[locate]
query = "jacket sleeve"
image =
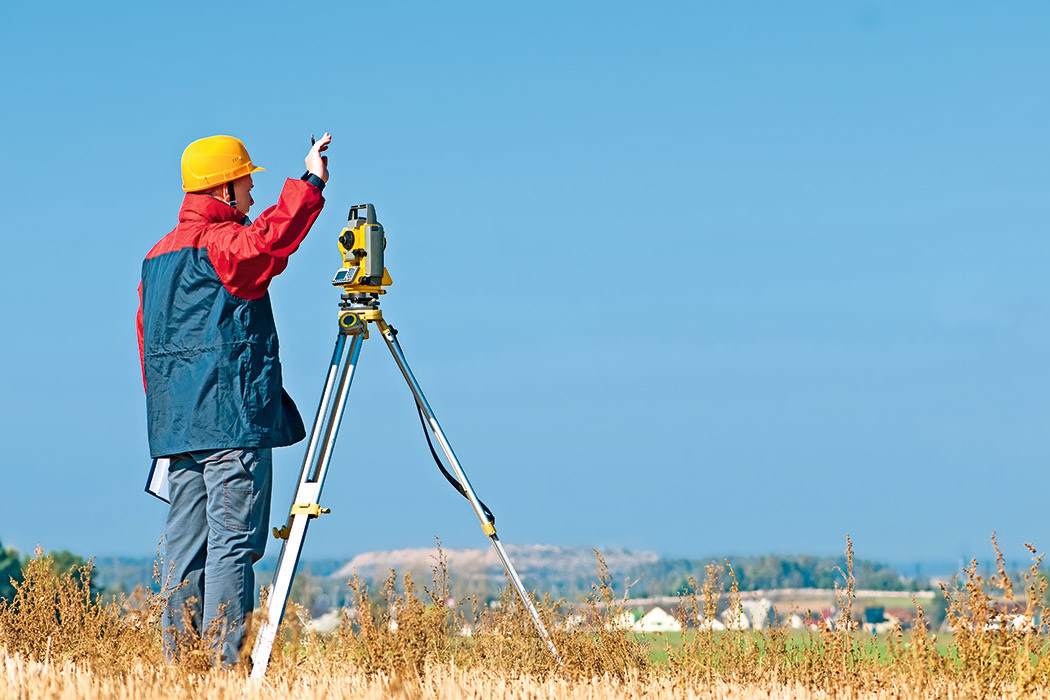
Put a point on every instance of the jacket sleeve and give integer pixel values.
(142, 346)
(246, 258)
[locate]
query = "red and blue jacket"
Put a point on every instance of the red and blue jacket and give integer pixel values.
(207, 337)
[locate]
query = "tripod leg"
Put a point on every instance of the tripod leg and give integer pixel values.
(389, 335)
(311, 479)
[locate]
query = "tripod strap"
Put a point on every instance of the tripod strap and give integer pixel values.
(444, 472)
(433, 453)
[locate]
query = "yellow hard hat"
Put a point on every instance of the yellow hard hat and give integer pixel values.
(214, 160)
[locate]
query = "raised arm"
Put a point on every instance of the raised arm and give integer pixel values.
(247, 258)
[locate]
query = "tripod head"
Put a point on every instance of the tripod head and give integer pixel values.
(361, 244)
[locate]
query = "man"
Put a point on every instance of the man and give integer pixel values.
(215, 402)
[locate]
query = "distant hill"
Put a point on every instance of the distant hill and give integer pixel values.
(532, 559)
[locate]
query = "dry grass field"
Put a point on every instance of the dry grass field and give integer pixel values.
(58, 640)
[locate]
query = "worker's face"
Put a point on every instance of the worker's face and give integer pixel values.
(242, 190)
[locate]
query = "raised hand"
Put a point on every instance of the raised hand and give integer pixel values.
(316, 164)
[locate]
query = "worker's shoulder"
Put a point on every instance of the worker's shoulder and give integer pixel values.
(185, 235)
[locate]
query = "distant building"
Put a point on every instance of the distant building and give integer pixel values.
(879, 620)
(905, 617)
(326, 623)
(625, 620)
(656, 620)
(735, 618)
(760, 612)
(713, 624)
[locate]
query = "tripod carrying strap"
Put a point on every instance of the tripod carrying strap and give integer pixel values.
(444, 472)
(437, 460)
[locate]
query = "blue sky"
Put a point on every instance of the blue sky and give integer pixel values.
(701, 278)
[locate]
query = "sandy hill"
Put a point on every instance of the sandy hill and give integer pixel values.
(529, 559)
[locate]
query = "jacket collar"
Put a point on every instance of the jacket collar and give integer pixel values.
(205, 208)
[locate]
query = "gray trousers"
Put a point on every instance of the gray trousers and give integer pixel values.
(216, 530)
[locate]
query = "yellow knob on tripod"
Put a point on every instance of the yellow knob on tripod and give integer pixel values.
(350, 323)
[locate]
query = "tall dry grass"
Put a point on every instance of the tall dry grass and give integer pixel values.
(58, 639)
(997, 643)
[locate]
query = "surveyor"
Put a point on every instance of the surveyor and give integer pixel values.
(215, 403)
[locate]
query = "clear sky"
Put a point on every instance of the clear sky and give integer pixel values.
(701, 278)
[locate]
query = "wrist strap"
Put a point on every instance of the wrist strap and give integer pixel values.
(312, 179)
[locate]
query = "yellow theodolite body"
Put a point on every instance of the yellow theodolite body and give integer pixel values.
(361, 245)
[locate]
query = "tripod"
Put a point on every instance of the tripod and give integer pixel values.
(356, 312)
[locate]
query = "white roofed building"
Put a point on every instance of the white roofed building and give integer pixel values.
(656, 620)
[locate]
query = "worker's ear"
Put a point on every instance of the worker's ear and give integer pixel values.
(220, 192)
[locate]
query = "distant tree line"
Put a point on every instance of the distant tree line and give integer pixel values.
(774, 571)
(671, 576)
(10, 570)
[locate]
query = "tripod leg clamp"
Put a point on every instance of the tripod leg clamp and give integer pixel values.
(311, 509)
